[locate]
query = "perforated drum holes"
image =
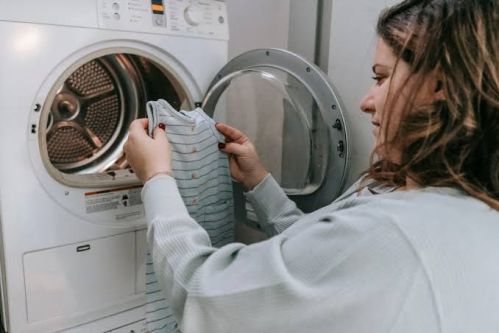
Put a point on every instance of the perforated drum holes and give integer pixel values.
(89, 115)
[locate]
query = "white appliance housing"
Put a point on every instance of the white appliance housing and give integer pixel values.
(72, 247)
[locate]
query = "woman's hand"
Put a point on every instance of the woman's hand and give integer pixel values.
(147, 156)
(245, 166)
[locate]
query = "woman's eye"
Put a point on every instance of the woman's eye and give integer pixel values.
(378, 78)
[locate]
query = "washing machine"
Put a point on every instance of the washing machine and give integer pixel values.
(73, 75)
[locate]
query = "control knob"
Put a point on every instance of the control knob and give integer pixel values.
(193, 15)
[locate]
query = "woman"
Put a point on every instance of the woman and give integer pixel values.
(411, 248)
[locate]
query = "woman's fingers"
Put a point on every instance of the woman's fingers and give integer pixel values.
(231, 133)
(159, 132)
(147, 156)
(139, 125)
(234, 148)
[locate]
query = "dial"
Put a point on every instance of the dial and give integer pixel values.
(193, 15)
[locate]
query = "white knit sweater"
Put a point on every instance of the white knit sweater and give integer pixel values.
(424, 260)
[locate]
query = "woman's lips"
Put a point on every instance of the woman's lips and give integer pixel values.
(376, 127)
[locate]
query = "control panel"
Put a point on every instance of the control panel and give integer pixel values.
(196, 18)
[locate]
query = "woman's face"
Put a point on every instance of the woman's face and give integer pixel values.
(388, 96)
(386, 80)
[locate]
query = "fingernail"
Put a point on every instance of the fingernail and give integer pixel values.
(162, 126)
(221, 145)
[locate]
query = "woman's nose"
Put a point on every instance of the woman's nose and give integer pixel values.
(367, 104)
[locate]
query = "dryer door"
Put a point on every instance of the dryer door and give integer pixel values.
(290, 111)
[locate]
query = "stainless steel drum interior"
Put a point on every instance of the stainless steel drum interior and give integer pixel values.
(92, 110)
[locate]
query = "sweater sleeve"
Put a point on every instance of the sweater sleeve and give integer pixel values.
(275, 211)
(345, 272)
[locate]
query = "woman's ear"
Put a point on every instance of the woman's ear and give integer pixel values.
(439, 94)
(438, 87)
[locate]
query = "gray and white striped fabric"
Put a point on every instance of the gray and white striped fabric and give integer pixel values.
(202, 175)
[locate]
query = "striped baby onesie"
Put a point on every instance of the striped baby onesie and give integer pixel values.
(202, 175)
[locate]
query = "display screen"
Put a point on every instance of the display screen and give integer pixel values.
(157, 7)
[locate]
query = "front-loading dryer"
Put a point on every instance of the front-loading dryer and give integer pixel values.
(73, 75)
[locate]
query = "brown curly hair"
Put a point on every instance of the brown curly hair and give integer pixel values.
(452, 142)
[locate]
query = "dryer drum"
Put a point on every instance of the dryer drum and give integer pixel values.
(92, 110)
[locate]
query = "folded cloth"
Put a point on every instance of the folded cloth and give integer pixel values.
(202, 175)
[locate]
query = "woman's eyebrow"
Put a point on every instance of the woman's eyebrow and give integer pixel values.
(376, 66)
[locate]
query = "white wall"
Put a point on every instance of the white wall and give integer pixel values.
(352, 45)
(257, 24)
(350, 61)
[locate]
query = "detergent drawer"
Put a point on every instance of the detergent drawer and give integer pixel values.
(80, 277)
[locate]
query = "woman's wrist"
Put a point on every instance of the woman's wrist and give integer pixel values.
(250, 184)
(159, 173)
